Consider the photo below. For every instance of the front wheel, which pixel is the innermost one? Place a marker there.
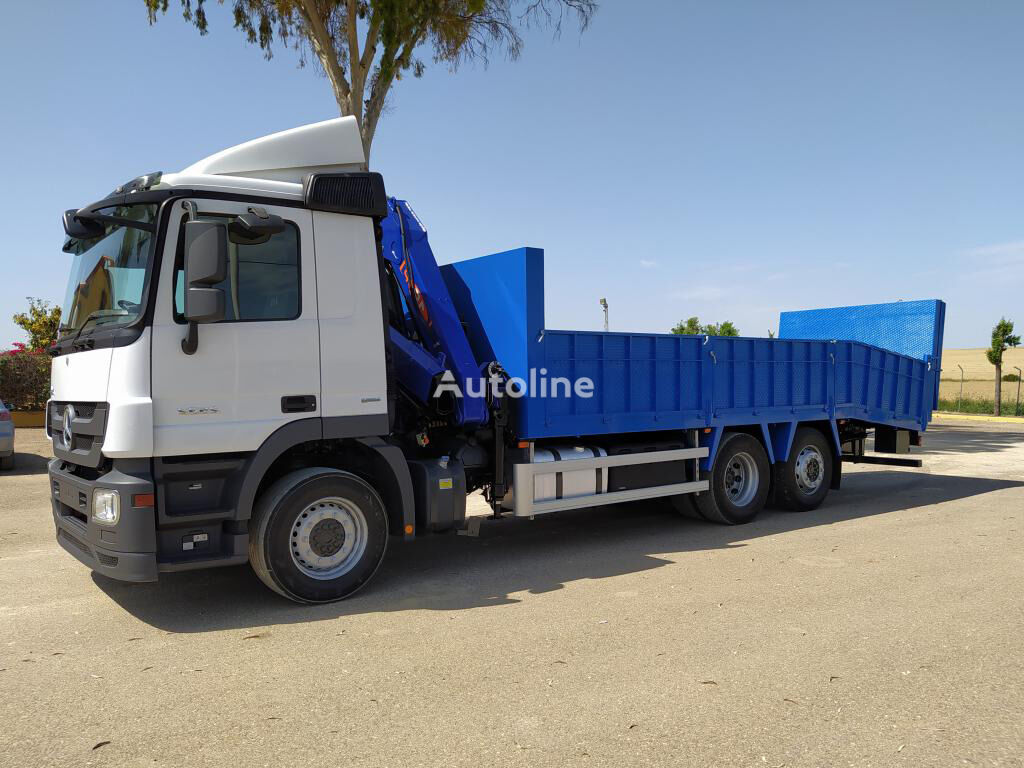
(739, 482)
(802, 482)
(317, 535)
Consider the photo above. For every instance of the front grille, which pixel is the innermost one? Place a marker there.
(88, 428)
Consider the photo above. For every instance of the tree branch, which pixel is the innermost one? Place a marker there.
(357, 74)
(370, 44)
(323, 47)
(385, 76)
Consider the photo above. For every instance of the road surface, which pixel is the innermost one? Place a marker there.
(887, 628)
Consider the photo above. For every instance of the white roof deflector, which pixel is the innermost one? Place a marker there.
(333, 145)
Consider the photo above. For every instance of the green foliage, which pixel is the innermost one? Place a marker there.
(1011, 377)
(692, 327)
(41, 322)
(1002, 339)
(363, 46)
(689, 327)
(983, 405)
(25, 379)
(725, 328)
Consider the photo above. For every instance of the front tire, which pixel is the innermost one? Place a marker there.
(318, 535)
(802, 482)
(739, 482)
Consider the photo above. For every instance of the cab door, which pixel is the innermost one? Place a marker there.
(257, 369)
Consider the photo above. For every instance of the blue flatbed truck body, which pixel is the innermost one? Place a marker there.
(654, 382)
(874, 364)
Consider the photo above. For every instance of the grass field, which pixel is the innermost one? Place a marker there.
(979, 381)
(979, 396)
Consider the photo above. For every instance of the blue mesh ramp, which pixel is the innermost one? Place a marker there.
(911, 328)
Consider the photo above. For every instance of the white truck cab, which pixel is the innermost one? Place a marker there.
(217, 323)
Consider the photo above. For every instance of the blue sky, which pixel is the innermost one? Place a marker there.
(721, 159)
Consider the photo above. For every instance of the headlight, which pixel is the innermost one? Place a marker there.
(106, 506)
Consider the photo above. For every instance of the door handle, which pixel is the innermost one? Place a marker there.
(298, 403)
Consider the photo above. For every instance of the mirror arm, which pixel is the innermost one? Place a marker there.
(190, 343)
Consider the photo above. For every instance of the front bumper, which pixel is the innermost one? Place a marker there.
(127, 550)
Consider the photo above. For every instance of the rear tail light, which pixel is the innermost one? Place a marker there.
(5, 415)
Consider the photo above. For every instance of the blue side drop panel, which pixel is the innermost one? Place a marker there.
(645, 382)
(883, 387)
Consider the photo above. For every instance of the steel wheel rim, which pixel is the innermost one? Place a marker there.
(741, 479)
(328, 538)
(810, 470)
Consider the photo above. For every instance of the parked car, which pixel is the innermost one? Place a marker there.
(6, 438)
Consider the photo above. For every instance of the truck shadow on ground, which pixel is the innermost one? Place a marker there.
(515, 555)
(27, 464)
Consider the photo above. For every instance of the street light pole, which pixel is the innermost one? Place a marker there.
(1016, 408)
(604, 304)
(961, 397)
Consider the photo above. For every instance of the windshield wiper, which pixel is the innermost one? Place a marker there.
(95, 316)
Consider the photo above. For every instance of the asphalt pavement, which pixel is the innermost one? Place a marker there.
(886, 628)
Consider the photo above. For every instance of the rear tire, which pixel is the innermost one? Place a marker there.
(739, 482)
(318, 535)
(802, 482)
(7, 462)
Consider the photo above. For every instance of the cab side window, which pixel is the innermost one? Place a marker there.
(263, 279)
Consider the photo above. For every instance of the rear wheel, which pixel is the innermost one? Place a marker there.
(317, 535)
(802, 482)
(739, 482)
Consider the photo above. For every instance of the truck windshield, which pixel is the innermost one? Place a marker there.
(109, 272)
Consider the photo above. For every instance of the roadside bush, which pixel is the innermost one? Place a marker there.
(24, 378)
(1011, 377)
(977, 405)
(968, 405)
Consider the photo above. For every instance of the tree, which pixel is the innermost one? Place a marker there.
(1002, 339)
(689, 327)
(364, 46)
(725, 328)
(40, 323)
(692, 327)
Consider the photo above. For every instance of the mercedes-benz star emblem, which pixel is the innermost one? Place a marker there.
(66, 432)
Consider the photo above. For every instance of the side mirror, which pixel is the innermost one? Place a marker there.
(206, 265)
(81, 228)
(255, 227)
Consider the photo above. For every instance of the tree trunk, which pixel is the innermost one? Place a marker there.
(999, 389)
